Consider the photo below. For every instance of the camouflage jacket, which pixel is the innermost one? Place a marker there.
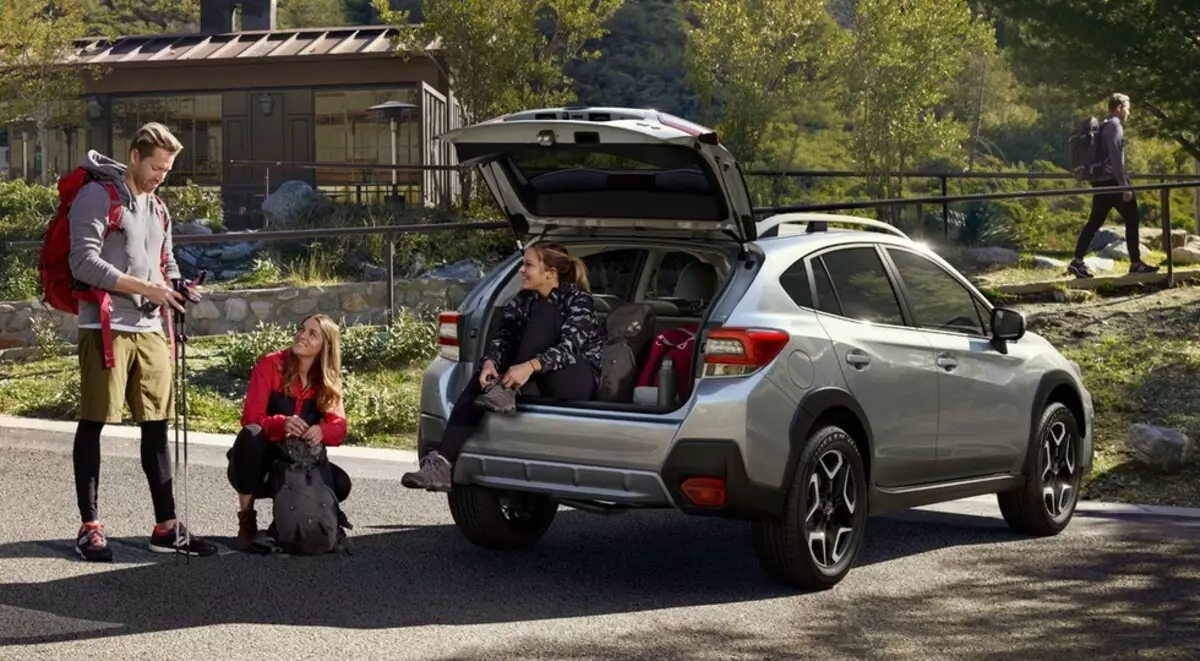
(581, 338)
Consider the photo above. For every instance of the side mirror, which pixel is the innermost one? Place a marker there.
(1008, 325)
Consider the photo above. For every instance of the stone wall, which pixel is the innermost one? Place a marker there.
(240, 311)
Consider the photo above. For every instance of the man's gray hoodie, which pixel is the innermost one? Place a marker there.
(1112, 141)
(135, 250)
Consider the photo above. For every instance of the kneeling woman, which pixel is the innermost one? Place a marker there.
(548, 346)
(293, 393)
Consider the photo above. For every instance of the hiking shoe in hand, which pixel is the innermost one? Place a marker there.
(1079, 269)
(434, 474)
(91, 543)
(497, 398)
(164, 541)
(1142, 267)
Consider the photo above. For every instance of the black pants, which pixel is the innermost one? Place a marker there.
(1102, 203)
(156, 464)
(253, 456)
(542, 331)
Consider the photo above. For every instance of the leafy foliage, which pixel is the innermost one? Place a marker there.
(506, 55)
(748, 60)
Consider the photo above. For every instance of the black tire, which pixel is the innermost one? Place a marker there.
(1029, 509)
(500, 520)
(783, 547)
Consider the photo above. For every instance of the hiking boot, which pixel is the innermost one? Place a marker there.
(1142, 267)
(91, 543)
(1079, 269)
(497, 398)
(163, 541)
(247, 529)
(434, 474)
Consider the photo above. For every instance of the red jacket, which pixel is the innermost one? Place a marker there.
(268, 407)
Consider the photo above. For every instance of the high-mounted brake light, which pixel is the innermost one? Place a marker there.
(741, 351)
(448, 345)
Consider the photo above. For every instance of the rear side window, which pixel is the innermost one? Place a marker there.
(862, 286)
(796, 283)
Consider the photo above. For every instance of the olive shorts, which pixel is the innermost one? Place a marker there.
(142, 377)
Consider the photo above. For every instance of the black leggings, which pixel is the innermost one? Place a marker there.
(253, 456)
(156, 464)
(573, 382)
(1102, 203)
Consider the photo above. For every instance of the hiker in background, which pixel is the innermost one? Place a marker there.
(120, 247)
(293, 393)
(548, 345)
(1108, 169)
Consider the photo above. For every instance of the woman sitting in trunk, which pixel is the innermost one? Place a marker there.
(293, 393)
(548, 346)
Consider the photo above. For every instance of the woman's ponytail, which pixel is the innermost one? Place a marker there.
(579, 274)
(570, 269)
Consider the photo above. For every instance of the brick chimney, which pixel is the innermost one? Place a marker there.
(218, 16)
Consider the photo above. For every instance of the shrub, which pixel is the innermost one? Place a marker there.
(18, 274)
(243, 350)
(377, 409)
(190, 202)
(25, 209)
(408, 339)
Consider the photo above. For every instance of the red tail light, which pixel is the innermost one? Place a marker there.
(741, 351)
(704, 491)
(448, 345)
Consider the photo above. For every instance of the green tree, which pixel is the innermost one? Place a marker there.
(37, 37)
(505, 55)
(748, 60)
(1092, 48)
(133, 17)
(897, 73)
(311, 13)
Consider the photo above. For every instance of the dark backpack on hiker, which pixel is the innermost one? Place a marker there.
(1083, 151)
(628, 329)
(305, 507)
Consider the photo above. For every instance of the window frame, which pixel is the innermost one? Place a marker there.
(889, 270)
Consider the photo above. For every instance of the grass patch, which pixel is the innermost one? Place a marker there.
(382, 381)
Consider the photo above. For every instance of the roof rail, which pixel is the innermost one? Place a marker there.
(817, 222)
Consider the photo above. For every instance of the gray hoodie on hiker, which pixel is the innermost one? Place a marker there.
(135, 250)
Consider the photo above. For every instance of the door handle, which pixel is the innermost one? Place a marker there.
(946, 361)
(858, 359)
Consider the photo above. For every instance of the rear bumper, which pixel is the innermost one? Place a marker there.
(744, 500)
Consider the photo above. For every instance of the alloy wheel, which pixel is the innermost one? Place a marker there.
(833, 500)
(1057, 464)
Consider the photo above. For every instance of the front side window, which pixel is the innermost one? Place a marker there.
(938, 301)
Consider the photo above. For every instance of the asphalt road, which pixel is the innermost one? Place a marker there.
(950, 583)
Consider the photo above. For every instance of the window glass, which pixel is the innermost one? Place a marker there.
(194, 119)
(827, 300)
(938, 301)
(666, 278)
(795, 282)
(862, 286)
(612, 272)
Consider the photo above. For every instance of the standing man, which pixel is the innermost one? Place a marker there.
(1110, 171)
(129, 362)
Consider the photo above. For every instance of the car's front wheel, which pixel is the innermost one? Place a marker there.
(817, 540)
(1046, 503)
(500, 520)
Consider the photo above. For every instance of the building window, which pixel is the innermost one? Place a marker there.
(194, 119)
(348, 132)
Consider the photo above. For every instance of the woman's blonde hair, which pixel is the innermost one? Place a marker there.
(326, 371)
(569, 267)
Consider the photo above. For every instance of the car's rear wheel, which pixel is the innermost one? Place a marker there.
(818, 538)
(500, 520)
(1046, 503)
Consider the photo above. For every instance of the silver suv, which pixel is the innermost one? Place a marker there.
(835, 372)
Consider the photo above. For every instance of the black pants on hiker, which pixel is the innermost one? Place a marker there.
(573, 383)
(1102, 203)
(156, 464)
(253, 456)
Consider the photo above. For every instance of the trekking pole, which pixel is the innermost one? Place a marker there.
(181, 410)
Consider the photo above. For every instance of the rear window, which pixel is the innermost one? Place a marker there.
(609, 181)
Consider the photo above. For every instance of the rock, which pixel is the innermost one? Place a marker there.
(237, 252)
(206, 310)
(1119, 250)
(1099, 263)
(1152, 236)
(19, 321)
(304, 306)
(283, 207)
(6, 309)
(1040, 262)
(472, 269)
(289, 294)
(1159, 447)
(1186, 255)
(372, 272)
(1104, 238)
(236, 309)
(192, 228)
(354, 303)
(231, 275)
(261, 309)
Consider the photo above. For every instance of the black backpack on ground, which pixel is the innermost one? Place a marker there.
(629, 330)
(305, 507)
(1083, 151)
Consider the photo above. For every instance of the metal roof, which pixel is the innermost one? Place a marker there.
(193, 47)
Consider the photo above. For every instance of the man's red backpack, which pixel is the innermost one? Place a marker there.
(60, 289)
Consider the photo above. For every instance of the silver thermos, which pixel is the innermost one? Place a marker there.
(666, 383)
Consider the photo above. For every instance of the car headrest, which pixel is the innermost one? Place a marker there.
(697, 282)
